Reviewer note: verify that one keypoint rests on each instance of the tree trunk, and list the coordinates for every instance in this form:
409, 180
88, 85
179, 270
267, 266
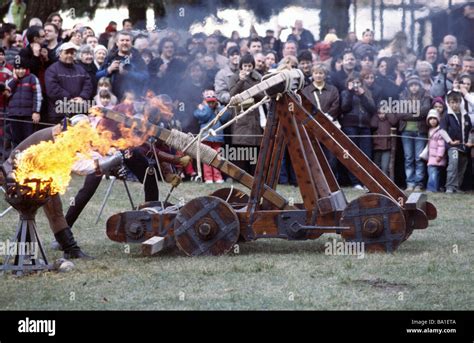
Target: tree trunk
137, 13
41, 9
160, 14
335, 15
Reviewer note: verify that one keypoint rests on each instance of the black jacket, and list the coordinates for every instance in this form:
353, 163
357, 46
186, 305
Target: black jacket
357, 110
66, 81
458, 131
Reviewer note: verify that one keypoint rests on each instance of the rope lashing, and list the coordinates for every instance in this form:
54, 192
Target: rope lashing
179, 140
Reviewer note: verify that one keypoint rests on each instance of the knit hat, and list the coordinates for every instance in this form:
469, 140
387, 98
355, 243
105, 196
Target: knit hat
438, 100
432, 114
100, 47
20, 64
414, 79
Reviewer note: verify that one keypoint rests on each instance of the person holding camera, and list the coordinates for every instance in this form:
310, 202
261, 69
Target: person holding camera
357, 107
443, 83
125, 68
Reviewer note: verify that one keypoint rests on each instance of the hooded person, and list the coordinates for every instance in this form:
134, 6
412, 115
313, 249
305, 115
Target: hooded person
436, 150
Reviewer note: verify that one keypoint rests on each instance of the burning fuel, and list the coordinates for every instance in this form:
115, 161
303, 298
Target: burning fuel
53, 160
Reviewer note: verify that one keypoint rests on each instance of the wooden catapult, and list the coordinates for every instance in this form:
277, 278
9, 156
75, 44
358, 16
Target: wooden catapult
211, 225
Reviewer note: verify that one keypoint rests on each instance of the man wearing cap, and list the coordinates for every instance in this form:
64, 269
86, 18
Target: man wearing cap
66, 82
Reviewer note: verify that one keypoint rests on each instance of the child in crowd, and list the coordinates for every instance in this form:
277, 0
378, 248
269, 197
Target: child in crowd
205, 113
382, 123
104, 84
105, 98
24, 104
458, 126
412, 125
436, 150
439, 105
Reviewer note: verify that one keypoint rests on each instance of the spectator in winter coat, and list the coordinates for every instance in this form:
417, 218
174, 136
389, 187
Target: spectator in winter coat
125, 68
6, 72
458, 126
436, 150
247, 130
382, 124
24, 104
166, 71
205, 113
388, 80
221, 82
443, 83
357, 107
67, 84
339, 78
86, 60
412, 125
33, 56
325, 98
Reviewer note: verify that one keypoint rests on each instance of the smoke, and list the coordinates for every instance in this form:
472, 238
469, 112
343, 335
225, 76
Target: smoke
179, 15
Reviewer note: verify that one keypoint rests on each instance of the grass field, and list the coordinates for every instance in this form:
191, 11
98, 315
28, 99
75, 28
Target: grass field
433, 270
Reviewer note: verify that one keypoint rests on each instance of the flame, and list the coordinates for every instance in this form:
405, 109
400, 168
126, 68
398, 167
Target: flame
52, 161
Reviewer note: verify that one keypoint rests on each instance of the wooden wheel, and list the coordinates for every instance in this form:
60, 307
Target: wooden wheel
376, 220
206, 226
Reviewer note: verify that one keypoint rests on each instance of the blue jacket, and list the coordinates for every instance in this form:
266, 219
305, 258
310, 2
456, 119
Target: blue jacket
25, 96
205, 115
134, 81
66, 81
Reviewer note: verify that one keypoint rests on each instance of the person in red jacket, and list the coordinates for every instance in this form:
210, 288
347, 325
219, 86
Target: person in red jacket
5, 74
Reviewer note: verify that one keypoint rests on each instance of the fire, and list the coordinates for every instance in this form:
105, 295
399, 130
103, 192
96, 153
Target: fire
51, 161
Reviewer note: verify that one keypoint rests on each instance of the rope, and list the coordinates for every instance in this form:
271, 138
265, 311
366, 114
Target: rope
265, 100
179, 140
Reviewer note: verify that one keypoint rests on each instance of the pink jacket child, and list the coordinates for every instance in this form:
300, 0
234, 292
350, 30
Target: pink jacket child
436, 144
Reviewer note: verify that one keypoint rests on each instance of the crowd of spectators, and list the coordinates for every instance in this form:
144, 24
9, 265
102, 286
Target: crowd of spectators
355, 80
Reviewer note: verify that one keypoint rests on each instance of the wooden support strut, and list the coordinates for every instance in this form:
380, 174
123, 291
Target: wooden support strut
348, 153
